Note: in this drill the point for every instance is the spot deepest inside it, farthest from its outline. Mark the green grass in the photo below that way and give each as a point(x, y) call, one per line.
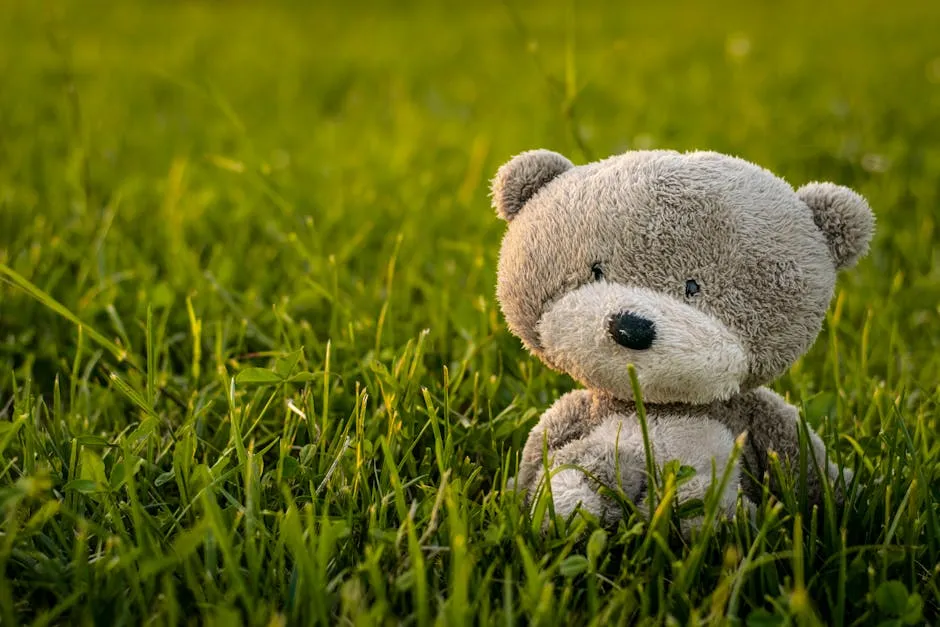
point(251, 364)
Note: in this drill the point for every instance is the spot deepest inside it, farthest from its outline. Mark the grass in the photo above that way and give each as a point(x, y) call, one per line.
point(251, 365)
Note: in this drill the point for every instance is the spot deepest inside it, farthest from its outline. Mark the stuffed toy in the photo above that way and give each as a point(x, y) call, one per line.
point(707, 273)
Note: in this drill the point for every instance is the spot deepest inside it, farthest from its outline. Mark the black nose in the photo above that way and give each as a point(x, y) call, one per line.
point(631, 330)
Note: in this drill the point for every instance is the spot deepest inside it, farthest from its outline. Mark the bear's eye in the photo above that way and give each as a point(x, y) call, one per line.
point(597, 271)
point(691, 288)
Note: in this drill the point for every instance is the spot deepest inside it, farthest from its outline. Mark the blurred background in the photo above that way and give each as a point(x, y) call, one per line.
point(154, 150)
point(279, 163)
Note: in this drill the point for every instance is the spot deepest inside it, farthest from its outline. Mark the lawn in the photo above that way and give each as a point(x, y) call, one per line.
point(252, 369)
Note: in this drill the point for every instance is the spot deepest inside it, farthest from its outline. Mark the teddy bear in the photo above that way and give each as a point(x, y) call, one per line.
point(711, 276)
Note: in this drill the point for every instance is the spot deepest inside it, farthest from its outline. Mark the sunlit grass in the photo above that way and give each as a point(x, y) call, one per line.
point(252, 369)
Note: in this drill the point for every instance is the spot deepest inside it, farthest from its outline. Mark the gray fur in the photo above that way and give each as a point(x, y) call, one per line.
point(765, 257)
point(525, 174)
point(844, 216)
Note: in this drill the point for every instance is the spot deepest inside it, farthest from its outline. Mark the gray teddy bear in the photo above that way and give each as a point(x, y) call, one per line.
point(709, 274)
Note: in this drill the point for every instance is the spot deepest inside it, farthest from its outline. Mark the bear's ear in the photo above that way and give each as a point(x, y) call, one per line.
point(518, 179)
point(844, 217)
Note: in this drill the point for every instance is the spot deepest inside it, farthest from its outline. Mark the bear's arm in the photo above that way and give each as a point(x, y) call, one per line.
point(773, 426)
point(568, 419)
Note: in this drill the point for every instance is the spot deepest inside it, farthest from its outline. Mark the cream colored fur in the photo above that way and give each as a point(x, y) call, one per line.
point(616, 442)
point(695, 358)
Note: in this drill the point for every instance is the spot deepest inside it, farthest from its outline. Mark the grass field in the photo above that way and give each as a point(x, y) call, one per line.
point(252, 369)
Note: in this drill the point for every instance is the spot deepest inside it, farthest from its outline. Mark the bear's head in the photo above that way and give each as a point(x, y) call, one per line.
point(709, 274)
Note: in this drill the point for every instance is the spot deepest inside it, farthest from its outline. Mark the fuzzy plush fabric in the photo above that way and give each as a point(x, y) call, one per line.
point(721, 264)
point(513, 186)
